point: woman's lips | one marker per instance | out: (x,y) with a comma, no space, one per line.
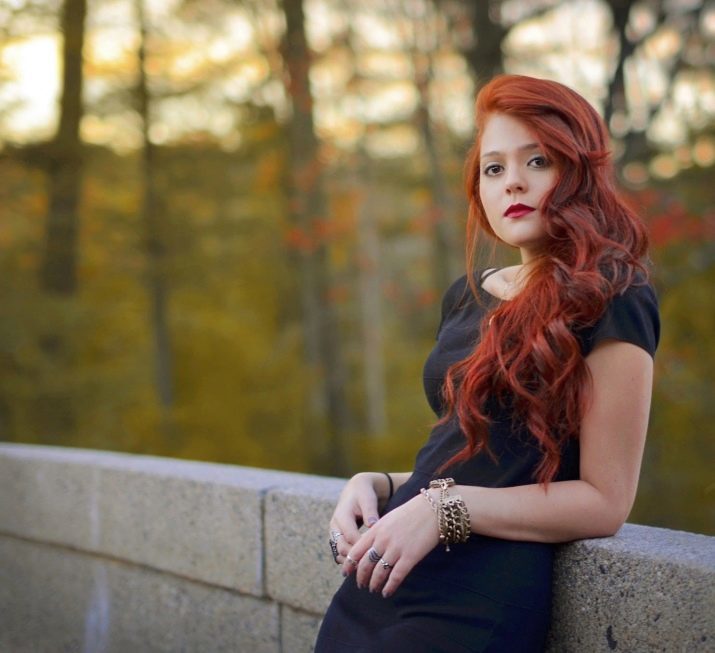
(518,211)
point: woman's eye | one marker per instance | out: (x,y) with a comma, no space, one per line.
(538,162)
(492,169)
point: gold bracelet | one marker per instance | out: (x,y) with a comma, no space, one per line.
(443,484)
(455,523)
(432,502)
(453,520)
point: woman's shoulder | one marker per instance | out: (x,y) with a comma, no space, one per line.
(460,288)
(452,297)
(458,298)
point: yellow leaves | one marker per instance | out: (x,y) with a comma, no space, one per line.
(268,169)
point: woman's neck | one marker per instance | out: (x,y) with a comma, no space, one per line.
(508,282)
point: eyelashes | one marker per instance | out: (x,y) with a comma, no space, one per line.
(538,162)
(491,169)
(543,162)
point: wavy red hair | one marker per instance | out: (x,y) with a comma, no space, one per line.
(528,355)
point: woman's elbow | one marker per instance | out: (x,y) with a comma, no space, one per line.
(613,517)
(609,515)
(612,527)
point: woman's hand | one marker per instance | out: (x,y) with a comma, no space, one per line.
(357,505)
(398,542)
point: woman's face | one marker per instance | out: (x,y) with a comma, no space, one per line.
(514,178)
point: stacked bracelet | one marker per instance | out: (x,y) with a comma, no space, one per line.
(453,520)
(432,502)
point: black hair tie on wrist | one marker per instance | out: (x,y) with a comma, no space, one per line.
(392,487)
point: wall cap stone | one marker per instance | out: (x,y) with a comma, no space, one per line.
(263,533)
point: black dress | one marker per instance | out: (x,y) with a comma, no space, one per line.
(488,594)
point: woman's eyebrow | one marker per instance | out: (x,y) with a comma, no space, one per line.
(521,148)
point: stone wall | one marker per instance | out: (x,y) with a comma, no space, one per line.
(107,552)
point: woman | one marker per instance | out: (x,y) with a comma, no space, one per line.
(541,376)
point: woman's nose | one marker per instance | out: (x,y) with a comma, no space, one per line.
(515,182)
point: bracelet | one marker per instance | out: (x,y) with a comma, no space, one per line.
(453,520)
(392,487)
(432,502)
(443,484)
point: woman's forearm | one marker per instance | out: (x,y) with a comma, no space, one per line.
(567,510)
(382,484)
(399,478)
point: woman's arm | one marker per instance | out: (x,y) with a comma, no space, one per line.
(382,485)
(399,479)
(612,438)
(381,488)
(611,448)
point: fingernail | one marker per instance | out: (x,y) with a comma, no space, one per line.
(385,594)
(372,521)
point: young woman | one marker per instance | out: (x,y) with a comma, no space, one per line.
(541,377)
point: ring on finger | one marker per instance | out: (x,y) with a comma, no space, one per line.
(373,556)
(335,535)
(385,564)
(334,550)
(351,560)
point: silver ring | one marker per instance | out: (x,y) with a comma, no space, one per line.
(352,561)
(334,550)
(385,564)
(335,535)
(373,556)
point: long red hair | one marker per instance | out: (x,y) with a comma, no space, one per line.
(528,355)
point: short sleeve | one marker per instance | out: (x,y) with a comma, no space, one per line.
(631,317)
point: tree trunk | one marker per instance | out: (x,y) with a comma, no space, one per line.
(370,303)
(485,57)
(59,264)
(151,215)
(616,98)
(54,416)
(307,205)
(445,264)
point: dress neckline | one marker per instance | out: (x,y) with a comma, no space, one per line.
(486,274)
(483,277)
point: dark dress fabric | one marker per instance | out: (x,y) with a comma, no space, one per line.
(487,595)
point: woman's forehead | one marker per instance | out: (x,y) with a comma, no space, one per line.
(503,133)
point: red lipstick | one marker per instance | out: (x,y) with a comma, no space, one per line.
(518,210)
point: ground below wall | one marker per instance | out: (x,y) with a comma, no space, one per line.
(111,552)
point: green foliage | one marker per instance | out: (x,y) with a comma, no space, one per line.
(80,371)
(677,487)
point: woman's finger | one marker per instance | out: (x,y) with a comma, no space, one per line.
(356,553)
(341,544)
(347,528)
(397,574)
(349,564)
(368,509)
(381,571)
(366,566)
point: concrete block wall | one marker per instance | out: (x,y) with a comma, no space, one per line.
(102,551)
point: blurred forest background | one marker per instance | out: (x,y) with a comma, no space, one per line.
(226,225)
